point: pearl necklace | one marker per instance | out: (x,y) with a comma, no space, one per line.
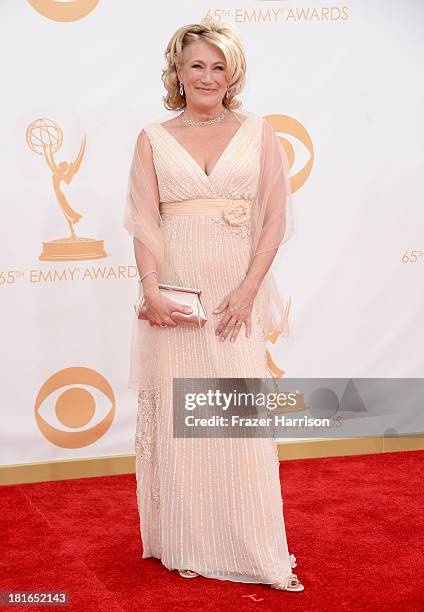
(207,122)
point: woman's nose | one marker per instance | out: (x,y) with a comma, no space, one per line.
(207,75)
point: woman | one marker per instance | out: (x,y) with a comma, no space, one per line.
(208,206)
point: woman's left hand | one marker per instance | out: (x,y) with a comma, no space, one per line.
(239,304)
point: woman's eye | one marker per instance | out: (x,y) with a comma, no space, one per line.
(198,66)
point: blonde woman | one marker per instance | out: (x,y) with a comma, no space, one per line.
(209,204)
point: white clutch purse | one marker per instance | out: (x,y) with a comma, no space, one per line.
(183,296)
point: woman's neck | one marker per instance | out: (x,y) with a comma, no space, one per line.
(202,114)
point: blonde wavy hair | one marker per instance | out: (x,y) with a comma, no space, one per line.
(223,37)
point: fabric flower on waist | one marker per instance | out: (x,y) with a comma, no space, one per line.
(237,212)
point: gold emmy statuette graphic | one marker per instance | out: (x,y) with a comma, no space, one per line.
(57,10)
(44,137)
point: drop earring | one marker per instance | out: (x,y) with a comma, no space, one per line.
(181,89)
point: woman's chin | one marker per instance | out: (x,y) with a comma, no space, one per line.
(205,101)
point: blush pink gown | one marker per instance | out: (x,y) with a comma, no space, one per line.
(211,505)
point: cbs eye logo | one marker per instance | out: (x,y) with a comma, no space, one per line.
(71,405)
(64,11)
(283,124)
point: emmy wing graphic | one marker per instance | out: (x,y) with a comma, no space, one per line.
(44,137)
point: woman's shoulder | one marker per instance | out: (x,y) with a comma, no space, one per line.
(144,138)
(166,121)
(249,115)
(170,123)
(255,121)
(263,125)
(146,134)
(147,129)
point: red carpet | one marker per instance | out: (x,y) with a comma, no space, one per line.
(354,524)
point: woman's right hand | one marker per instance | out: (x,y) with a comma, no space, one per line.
(159,310)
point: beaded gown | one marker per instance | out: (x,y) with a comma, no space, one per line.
(211,505)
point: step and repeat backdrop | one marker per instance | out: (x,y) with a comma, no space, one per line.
(341,83)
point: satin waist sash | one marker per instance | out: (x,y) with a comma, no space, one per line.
(199,206)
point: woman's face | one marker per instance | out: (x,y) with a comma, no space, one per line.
(203,75)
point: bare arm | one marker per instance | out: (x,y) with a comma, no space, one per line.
(258,268)
(146,262)
(142,212)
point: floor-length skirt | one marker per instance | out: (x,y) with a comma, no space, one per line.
(212,505)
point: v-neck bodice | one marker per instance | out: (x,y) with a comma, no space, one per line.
(235,174)
(233,137)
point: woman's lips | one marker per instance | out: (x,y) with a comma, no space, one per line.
(205,90)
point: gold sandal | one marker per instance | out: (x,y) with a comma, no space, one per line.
(290,582)
(188,574)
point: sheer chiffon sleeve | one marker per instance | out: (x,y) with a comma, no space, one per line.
(273,226)
(142,218)
(273,222)
(142,221)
